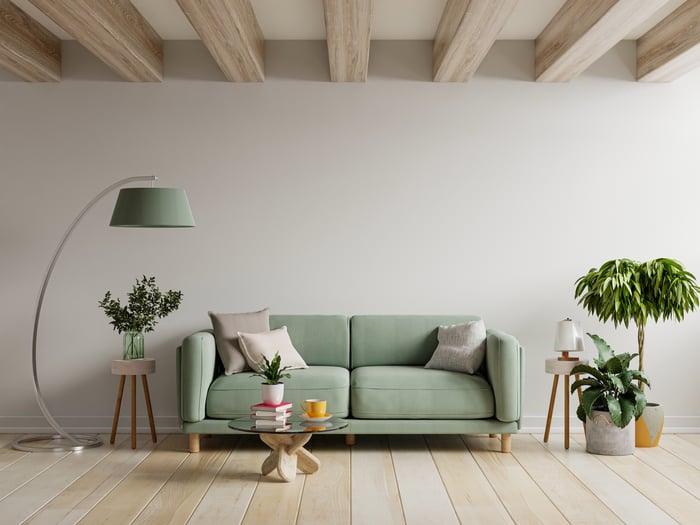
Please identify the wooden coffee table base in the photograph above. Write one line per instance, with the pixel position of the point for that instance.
(288, 454)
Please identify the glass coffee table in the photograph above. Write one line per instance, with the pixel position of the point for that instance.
(287, 445)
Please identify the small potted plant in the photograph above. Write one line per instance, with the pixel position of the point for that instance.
(610, 401)
(624, 291)
(145, 305)
(272, 373)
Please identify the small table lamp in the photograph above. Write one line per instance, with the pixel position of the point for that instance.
(568, 338)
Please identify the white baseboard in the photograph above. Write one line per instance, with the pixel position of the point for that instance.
(672, 425)
(170, 424)
(90, 425)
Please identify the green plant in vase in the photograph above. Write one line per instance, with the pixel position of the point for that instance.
(625, 291)
(146, 304)
(272, 373)
(610, 395)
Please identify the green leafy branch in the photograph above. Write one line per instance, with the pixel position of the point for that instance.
(145, 305)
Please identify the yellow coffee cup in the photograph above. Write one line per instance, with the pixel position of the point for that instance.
(314, 407)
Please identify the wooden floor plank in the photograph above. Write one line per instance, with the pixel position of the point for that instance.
(525, 501)
(34, 494)
(559, 483)
(624, 500)
(473, 498)
(392, 480)
(138, 488)
(230, 493)
(682, 448)
(326, 497)
(8, 455)
(674, 468)
(667, 495)
(179, 497)
(286, 498)
(26, 468)
(691, 438)
(79, 497)
(423, 495)
(375, 494)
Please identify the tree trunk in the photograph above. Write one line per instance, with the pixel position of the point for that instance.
(640, 343)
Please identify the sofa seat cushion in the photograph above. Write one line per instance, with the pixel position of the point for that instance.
(231, 396)
(414, 392)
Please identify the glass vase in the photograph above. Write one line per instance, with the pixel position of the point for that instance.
(133, 345)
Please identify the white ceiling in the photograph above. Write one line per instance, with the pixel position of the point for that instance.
(392, 19)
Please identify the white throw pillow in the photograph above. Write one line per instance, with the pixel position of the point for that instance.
(255, 346)
(226, 328)
(461, 347)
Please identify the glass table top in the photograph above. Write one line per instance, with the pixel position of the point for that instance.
(294, 425)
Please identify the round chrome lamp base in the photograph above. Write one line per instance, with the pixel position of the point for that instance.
(56, 443)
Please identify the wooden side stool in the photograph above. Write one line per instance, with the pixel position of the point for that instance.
(133, 367)
(561, 366)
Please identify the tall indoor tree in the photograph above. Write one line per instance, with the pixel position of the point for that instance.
(624, 291)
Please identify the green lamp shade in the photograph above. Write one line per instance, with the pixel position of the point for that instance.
(152, 208)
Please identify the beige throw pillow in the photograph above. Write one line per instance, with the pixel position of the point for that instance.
(226, 328)
(461, 347)
(255, 346)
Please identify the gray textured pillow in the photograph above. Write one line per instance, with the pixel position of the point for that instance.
(255, 346)
(461, 347)
(226, 328)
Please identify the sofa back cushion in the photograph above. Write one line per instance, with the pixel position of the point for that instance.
(377, 340)
(320, 339)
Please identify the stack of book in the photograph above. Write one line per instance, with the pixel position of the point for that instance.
(271, 417)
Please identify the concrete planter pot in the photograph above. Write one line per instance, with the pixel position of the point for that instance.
(649, 426)
(272, 394)
(604, 438)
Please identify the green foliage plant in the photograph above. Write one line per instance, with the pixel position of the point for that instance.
(624, 291)
(610, 386)
(145, 305)
(270, 371)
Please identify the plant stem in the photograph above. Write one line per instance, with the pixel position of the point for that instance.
(640, 344)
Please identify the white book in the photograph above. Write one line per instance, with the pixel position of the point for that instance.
(271, 416)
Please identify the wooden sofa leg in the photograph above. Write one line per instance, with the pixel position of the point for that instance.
(505, 443)
(350, 439)
(194, 443)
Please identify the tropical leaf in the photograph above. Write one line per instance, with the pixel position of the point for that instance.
(610, 386)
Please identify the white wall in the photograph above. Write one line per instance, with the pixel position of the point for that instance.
(394, 196)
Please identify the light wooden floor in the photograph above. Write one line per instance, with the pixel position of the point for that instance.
(382, 480)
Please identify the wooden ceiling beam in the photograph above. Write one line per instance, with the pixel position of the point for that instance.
(348, 32)
(672, 47)
(466, 32)
(27, 49)
(114, 31)
(582, 31)
(231, 33)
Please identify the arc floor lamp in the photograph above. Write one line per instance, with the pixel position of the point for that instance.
(140, 207)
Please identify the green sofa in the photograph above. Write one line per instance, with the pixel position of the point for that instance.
(370, 369)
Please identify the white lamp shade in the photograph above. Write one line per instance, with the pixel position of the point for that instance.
(568, 337)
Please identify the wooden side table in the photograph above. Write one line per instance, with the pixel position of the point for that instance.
(561, 366)
(133, 367)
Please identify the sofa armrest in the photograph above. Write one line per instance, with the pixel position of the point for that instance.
(504, 366)
(196, 359)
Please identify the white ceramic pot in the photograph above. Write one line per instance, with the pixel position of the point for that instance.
(603, 437)
(272, 394)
